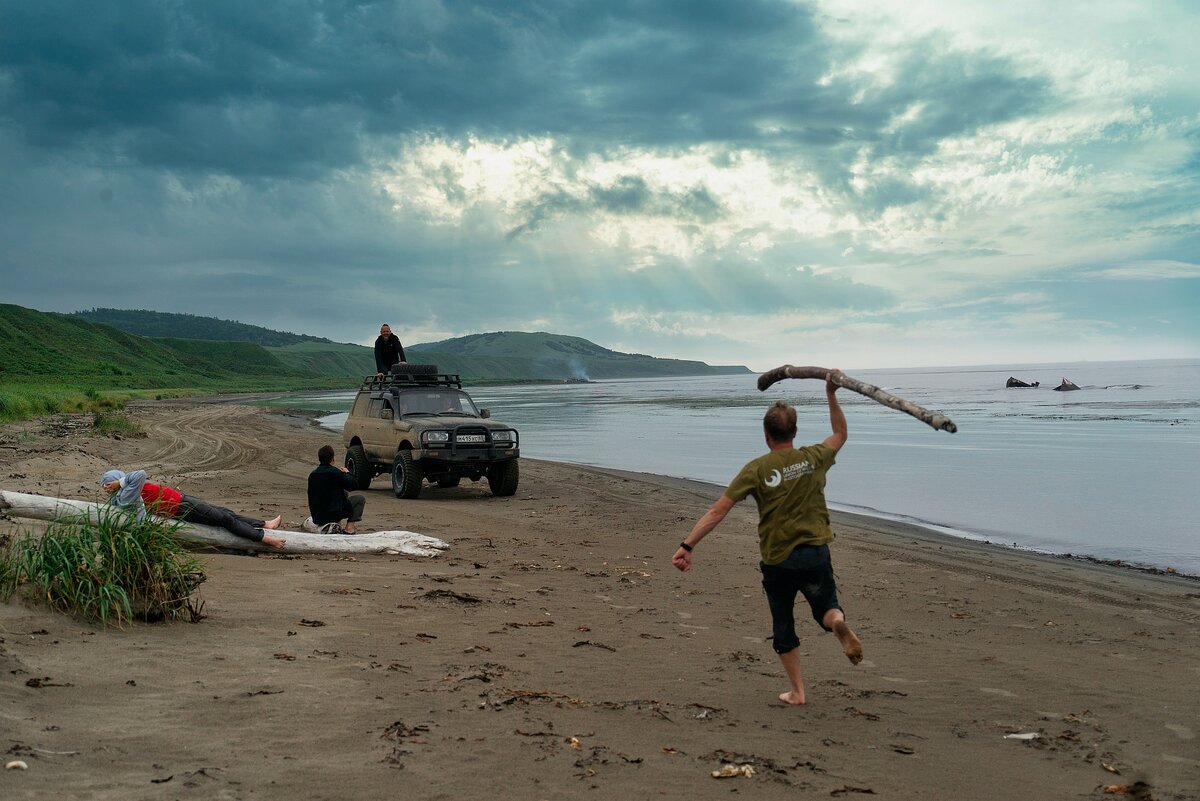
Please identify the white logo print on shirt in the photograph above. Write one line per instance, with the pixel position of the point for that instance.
(792, 471)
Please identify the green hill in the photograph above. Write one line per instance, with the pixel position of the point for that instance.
(53, 362)
(62, 349)
(502, 356)
(522, 355)
(190, 326)
(494, 357)
(332, 359)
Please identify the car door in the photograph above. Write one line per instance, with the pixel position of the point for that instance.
(377, 436)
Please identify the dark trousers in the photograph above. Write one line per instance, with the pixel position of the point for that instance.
(351, 511)
(357, 504)
(194, 510)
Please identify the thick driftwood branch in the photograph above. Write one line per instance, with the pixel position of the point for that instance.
(39, 507)
(938, 421)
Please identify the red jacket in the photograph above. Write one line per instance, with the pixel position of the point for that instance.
(161, 501)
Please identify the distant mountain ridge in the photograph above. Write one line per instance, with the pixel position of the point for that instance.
(496, 356)
(540, 355)
(190, 326)
(65, 349)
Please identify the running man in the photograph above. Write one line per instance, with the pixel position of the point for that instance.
(788, 483)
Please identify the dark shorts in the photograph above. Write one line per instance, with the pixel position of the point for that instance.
(807, 571)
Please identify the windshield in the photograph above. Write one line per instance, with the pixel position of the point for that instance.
(440, 401)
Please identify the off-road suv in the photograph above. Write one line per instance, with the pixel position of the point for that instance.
(419, 425)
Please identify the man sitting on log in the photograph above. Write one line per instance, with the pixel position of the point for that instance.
(134, 492)
(332, 509)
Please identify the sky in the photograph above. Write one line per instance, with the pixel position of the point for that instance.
(849, 183)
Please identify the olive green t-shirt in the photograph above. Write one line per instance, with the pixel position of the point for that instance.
(789, 487)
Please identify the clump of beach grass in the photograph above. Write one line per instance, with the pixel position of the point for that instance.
(115, 425)
(107, 567)
(23, 401)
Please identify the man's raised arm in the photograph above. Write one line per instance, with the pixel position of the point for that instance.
(837, 418)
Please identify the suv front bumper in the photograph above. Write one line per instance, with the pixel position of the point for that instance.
(451, 456)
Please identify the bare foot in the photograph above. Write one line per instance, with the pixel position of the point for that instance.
(792, 697)
(274, 542)
(270, 524)
(349, 529)
(851, 646)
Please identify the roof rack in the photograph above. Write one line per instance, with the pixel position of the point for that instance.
(410, 380)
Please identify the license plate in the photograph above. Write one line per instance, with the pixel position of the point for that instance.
(472, 438)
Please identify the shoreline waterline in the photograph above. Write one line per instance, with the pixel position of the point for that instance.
(1101, 473)
(934, 531)
(557, 614)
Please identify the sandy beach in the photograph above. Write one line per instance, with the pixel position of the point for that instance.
(553, 652)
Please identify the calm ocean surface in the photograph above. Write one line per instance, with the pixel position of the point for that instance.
(1108, 471)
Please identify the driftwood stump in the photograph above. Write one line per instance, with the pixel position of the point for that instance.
(935, 419)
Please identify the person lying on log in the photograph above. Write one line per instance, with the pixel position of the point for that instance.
(134, 493)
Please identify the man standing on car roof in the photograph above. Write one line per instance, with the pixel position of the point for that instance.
(388, 350)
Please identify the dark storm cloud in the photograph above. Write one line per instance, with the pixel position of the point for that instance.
(631, 194)
(296, 88)
(627, 195)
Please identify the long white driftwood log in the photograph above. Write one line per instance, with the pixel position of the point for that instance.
(39, 507)
(935, 419)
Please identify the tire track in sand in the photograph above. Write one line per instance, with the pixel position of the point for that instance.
(204, 438)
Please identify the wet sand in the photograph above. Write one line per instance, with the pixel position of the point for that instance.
(554, 652)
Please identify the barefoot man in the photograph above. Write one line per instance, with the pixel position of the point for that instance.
(135, 494)
(788, 483)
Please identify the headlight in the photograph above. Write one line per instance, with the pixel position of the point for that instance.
(502, 436)
(435, 436)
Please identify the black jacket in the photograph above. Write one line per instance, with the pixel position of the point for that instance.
(388, 352)
(327, 486)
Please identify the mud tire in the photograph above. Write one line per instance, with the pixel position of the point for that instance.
(406, 476)
(503, 478)
(359, 467)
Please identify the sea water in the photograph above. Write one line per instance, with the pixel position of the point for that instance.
(1107, 471)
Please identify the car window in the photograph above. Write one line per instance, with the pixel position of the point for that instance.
(437, 401)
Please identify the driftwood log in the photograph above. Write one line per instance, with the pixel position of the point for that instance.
(39, 507)
(935, 419)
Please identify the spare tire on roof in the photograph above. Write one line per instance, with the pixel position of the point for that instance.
(414, 369)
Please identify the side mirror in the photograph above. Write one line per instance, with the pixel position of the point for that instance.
(485, 413)
(386, 414)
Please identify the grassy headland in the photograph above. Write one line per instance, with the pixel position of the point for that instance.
(52, 363)
(496, 357)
